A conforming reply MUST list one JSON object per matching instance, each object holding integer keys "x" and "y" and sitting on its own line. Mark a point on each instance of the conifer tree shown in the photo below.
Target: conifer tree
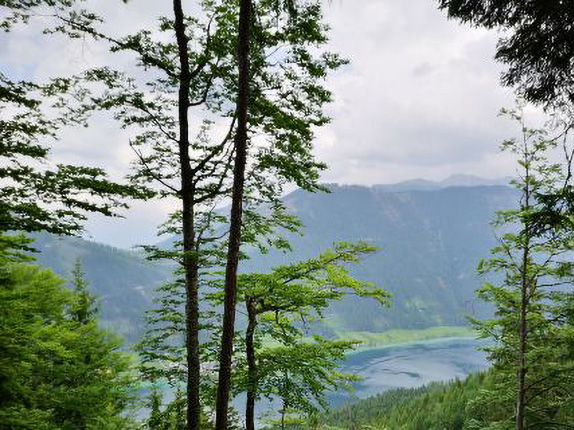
{"x": 57, "y": 371}
{"x": 531, "y": 353}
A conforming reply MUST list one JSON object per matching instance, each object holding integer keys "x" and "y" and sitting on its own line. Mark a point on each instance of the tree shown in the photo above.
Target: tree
{"x": 536, "y": 46}
{"x": 85, "y": 309}
{"x": 57, "y": 371}
{"x": 241, "y": 140}
{"x": 248, "y": 16}
{"x": 35, "y": 194}
{"x": 286, "y": 105}
{"x": 46, "y": 198}
{"x": 298, "y": 370}
{"x": 531, "y": 355}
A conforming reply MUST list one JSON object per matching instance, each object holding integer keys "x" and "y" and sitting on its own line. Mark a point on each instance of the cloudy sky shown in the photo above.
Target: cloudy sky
{"x": 419, "y": 100}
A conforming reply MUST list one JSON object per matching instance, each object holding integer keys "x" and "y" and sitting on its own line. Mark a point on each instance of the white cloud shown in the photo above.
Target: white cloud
{"x": 420, "y": 98}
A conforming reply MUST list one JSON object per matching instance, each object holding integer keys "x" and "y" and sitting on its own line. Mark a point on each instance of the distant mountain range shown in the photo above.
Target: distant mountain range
{"x": 452, "y": 181}
{"x": 430, "y": 243}
{"x": 431, "y": 237}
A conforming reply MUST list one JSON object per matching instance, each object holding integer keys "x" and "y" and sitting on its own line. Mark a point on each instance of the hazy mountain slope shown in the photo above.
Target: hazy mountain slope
{"x": 430, "y": 244}
{"x": 122, "y": 280}
{"x": 431, "y": 241}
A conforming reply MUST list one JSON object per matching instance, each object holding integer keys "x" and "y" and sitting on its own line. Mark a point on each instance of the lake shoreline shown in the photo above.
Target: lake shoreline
{"x": 360, "y": 349}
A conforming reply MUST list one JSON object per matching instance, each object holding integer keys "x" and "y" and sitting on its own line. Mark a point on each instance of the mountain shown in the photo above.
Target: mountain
{"x": 459, "y": 180}
{"x": 123, "y": 281}
{"x": 430, "y": 240}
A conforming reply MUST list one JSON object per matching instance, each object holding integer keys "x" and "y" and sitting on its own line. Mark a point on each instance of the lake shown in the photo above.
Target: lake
{"x": 411, "y": 365}
{"x": 401, "y": 366}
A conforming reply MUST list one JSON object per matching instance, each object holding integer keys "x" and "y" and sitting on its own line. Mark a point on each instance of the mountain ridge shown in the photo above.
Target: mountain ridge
{"x": 431, "y": 241}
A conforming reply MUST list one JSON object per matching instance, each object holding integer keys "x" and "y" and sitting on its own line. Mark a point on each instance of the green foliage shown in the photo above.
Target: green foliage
{"x": 301, "y": 372}
{"x": 310, "y": 285}
{"x": 172, "y": 417}
{"x": 531, "y": 354}
{"x": 123, "y": 281}
{"x": 36, "y": 196}
{"x": 286, "y": 102}
{"x": 530, "y": 28}
{"x": 281, "y": 360}
{"x": 291, "y": 365}
{"x": 438, "y": 406}
{"x": 84, "y": 310}
{"x": 57, "y": 371}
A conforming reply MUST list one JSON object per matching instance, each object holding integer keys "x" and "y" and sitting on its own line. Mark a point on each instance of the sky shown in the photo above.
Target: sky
{"x": 419, "y": 99}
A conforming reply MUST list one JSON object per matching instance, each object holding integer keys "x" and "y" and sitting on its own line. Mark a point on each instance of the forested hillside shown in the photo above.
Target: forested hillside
{"x": 437, "y": 406}
{"x": 123, "y": 281}
{"x": 430, "y": 243}
{"x": 457, "y": 405}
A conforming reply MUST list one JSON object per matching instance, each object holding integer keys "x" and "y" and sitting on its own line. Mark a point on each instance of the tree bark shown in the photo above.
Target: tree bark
{"x": 188, "y": 226}
{"x": 230, "y": 300}
{"x": 523, "y": 342}
{"x": 251, "y": 305}
{"x": 283, "y": 412}
{"x": 521, "y": 370}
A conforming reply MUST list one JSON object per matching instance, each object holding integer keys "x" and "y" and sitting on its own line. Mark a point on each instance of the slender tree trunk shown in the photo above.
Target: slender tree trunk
{"x": 283, "y": 412}
{"x": 521, "y": 371}
{"x": 188, "y": 227}
{"x": 226, "y": 352}
{"x": 523, "y": 341}
{"x": 251, "y": 364}
{"x": 523, "y": 318}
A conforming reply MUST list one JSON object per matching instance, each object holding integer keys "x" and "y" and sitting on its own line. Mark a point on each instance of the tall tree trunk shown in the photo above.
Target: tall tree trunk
{"x": 523, "y": 337}
{"x": 524, "y": 302}
{"x": 521, "y": 371}
{"x": 188, "y": 227}
{"x": 226, "y": 352}
{"x": 251, "y": 364}
{"x": 283, "y": 412}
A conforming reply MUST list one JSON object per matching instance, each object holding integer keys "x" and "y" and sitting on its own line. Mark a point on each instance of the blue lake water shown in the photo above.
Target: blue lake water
{"x": 401, "y": 366}
{"x": 410, "y": 366}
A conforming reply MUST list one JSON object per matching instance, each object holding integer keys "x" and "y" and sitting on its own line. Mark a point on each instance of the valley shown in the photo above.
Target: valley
{"x": 430, "y": 241}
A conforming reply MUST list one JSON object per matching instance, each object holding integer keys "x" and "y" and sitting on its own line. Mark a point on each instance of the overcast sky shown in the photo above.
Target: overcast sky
{"x": 419, "y": 100}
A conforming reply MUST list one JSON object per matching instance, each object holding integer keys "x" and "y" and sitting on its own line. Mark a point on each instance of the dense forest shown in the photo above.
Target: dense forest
{"x": 258, "y": 296}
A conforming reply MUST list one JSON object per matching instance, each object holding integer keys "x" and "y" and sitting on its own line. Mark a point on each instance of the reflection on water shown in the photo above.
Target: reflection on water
{"x": 410, "y": 366}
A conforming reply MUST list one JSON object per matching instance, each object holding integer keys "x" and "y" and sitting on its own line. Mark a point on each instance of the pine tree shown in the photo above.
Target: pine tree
{"x": 57, "y": 371}
{"x": 531, "y": 356}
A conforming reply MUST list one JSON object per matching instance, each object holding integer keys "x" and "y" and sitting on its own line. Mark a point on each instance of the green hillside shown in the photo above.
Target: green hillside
{"x": 438, "y": 406}
{"x": 123, "y": 281}
{"x": 430, "y": 243}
